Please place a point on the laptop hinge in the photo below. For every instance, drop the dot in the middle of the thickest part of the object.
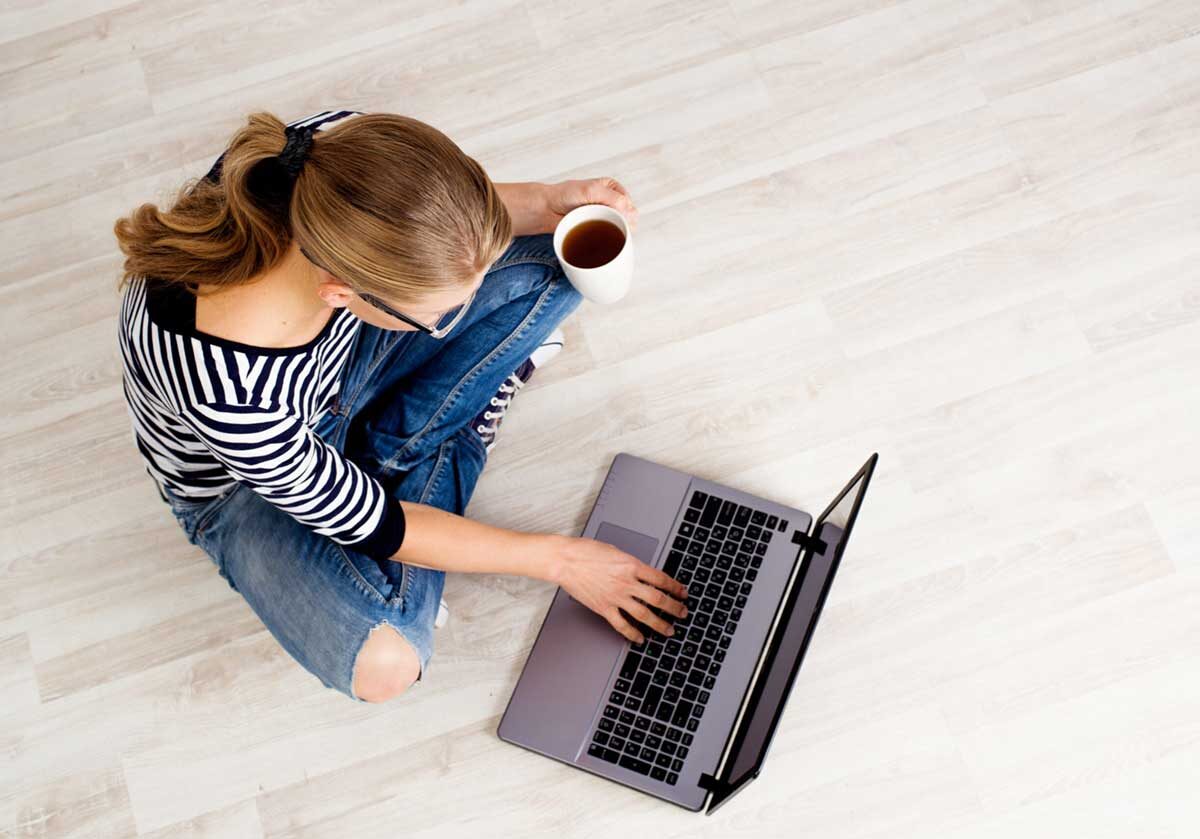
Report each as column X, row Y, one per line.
column 806, row 542
column 711, row 783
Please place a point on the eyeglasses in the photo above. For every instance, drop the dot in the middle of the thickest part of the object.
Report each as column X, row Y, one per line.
column 432, row 331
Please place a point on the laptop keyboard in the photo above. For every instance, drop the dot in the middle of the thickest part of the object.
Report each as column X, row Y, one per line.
column 665, row 683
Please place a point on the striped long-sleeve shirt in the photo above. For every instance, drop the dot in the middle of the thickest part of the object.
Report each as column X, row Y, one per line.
column 208, row 412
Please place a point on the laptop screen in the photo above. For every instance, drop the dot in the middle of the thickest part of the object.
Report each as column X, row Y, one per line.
column 832, row 531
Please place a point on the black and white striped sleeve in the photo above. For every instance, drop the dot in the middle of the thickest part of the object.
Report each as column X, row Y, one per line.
column 287, row 463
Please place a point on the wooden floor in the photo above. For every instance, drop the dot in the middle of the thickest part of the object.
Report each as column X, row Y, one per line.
column 961, row 233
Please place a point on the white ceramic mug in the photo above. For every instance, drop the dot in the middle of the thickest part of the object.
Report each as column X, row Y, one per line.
column 605, row 283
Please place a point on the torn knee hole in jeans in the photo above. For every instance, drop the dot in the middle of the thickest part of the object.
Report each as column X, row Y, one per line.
column 400, row 636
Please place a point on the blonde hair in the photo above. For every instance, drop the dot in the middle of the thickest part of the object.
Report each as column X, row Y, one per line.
column 386, row 203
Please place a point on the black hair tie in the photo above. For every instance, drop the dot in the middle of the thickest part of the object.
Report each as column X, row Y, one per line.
column 296, row 149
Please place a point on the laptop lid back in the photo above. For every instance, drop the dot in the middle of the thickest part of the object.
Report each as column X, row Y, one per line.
column 821, row 552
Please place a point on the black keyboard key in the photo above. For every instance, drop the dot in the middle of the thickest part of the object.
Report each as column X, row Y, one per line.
column 616, row 743
column 783, row 526
column 658, row 773
column 695, row 549
column 640, row 682
column 752, row 574
column 642, row 723
column 698, row 499
column 674, row 559
column 713, row 546
column 616, row 698
column 681, row 543
column 692, row 516
column 664, row 711
column 759, row 517
column 742, row 517
column 712, row 590
column 772, row 521
column 752, row 532
column 621, row 685
column 605, row 754
column 601, row 738
column 650, row 703
column 639, row 766
column 612, row 711
column 632, row 748
column 647, row 754
column 760, row 548
column 627, row 717
column 690, row 693
column 724, row 642
column 672, row 778
column 687, row 741
column 740, row 600
column 727, row 510
column 674, row 734
column 766, row 536
column 720, row 532
column 629, row 668
column 707, row 647
column 672, row 694
column 725, row 603
column 622, row 730
column 685, row 529
column 711, row 507
column 746, row 588
column 702, row 534
column 658, row 729
column 704, row 695
column 653, row 741
column 660, row 677
column 606, row 724
column 665, row 761
column 710, row 682
column 696, row 677
column 669, row 746
column 693, row 724
column 682, row 711
column 677, row 764
column 654, row 649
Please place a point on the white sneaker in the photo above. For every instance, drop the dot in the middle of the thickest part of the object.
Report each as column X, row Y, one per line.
column 443, row 615
column 487, row 422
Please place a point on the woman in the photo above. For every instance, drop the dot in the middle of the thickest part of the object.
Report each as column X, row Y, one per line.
column 320, row 339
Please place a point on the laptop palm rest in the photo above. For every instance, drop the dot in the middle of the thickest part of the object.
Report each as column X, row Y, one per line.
column 562, row 682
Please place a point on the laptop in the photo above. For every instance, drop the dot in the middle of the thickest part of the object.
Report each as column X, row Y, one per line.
column 687, row 718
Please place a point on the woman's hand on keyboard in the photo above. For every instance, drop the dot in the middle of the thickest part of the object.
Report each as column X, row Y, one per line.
column 607, row 580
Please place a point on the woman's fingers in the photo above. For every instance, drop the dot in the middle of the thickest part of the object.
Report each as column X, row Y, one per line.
column 654, row 597
column 663, row 580
column 611, row 191
column 642, row 612
column 618, row 622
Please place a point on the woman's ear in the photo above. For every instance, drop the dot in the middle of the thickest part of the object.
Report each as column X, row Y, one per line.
column 332, row 290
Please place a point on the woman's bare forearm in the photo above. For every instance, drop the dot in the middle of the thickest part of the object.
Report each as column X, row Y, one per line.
column 434, row 538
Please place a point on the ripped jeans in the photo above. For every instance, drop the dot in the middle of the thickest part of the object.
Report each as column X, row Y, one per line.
column 403, row 413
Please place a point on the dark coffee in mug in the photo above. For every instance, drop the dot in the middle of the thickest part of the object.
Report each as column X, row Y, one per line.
column 593, row 243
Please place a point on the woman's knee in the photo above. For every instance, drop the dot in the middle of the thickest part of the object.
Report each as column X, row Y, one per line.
column 386, row 665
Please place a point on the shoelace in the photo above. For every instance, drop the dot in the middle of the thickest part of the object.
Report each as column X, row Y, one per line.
column 509, row 391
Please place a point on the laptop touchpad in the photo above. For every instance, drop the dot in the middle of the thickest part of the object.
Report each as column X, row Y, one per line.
column 630, row 541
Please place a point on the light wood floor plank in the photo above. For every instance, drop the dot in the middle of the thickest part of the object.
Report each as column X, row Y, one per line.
column 960, row 234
